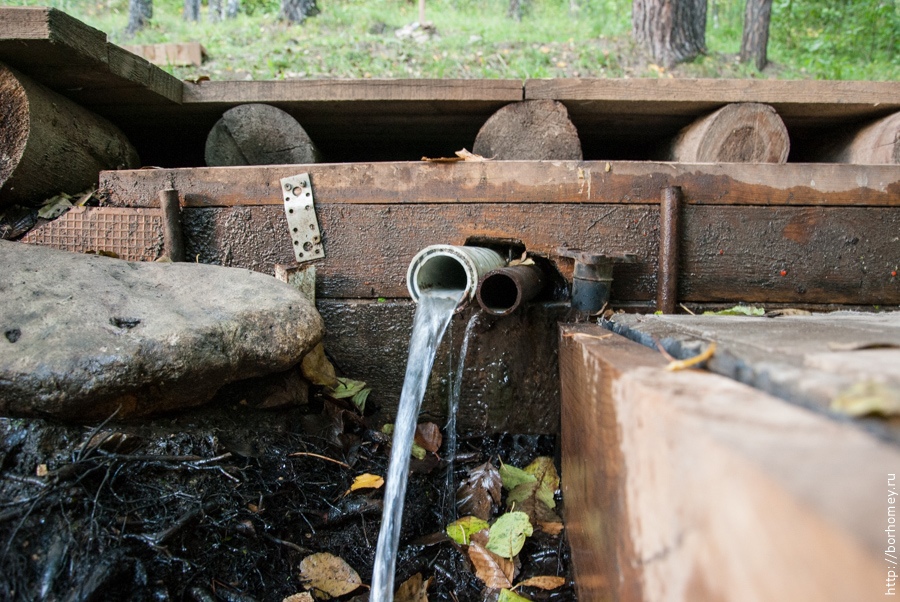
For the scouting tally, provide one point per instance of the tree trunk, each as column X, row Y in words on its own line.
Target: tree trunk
column 52, row 145
column 191, row 10
column 297, row 11
column 232, row 8
column 672, row 31
column 756, row 32
column 529, row 130
column 516, row 8
column 745, row 132
column 139, row 14
column 215, row 11
column 258, row 134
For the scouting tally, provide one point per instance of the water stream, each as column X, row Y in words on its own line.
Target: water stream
column 433, row 313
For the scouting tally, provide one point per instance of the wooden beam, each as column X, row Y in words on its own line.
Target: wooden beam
column 796, row 358
column 689, row 486
column 730, row 254
column 76, row 60
column 519, row 182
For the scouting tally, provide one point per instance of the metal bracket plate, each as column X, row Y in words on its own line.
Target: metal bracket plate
column 300, row 210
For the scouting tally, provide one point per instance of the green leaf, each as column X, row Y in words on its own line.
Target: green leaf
column 359, row 400
column 388, row 428
column 738, row 310
column 461, row 530
column 508, row 534
column 507, row 595
column 544, row 471
column 55, row 206
column 512, row 476
column 418, row 452
column 347, row 387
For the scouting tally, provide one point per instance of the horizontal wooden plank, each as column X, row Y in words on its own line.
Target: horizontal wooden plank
column 77, row 61
column 352, row 90
column 819, row 255
column 687, row 485
column 518, row 182
column 799, row 99
column 791, row 357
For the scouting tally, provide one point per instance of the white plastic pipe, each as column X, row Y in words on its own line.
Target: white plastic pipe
column 450, row 267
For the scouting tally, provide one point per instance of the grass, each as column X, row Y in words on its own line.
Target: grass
column 475, row 39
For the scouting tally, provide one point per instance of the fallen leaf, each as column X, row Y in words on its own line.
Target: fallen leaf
column 508, row 534
column 507, row 595
column 469, row 156
column 428, row 436
column 461, row 530
column 493, row 570
column 85, row 198
column 418, row 452
column 868, row 397
column 738, row 310
column 346, row 387
column 317, row 369
column 544, row 471
column 41, row 470
column 523, row 260
column 55, row 206
column 301, row 597
column 366, row 481
column 442, row 159
column 513, row 477
column 413, row 589
column 329, row 576
column 788, row 311
column 546, row 582
column 524, row 499
column 698, row 359
column 480, row 492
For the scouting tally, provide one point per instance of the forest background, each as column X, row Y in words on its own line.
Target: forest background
column 821, row 39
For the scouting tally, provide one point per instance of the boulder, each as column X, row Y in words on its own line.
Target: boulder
column 84, row 335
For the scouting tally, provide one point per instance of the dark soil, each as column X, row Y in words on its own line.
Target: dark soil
column 210, row 505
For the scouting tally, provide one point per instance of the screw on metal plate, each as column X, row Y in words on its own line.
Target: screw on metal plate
column 301, row 218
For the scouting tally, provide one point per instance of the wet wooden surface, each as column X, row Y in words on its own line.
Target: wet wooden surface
column 809, row 360
column 700, row 488
column 544, row 182
column 818, row 255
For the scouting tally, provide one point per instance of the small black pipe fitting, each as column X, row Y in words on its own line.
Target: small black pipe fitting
column 503, row 290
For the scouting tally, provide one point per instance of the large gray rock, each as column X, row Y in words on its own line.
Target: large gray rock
column 82, row 335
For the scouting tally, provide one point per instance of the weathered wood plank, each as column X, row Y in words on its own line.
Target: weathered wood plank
column 796, row 358
column 729, row 254
column 689, row 486
column 542, row 182
column 77, row 61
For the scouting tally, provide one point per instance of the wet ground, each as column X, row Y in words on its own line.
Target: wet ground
column 223, row 503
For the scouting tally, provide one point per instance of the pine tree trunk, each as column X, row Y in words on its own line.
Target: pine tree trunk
column 672, row 31
column 139, row 14
column 215, row 11
column 191, row 10
column 516, row 8
column 297, row 11
column 756, row 32
column 232, row 8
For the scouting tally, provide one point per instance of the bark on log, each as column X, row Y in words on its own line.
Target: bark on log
column 737, row 133
column 48, row 144
column 877, row 143
column 529, row 130
column 672, row 31
column 258, row 134
column 755, row 39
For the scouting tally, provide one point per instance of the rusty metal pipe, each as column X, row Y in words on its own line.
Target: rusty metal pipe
column 501, row 291
column 669, row 228
column 173, row 237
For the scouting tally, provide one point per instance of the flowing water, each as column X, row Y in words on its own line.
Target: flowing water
column 433, row 314
column 452, row 411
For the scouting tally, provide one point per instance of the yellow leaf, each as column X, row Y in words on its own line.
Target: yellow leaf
column 329, row 576
column 543, row 582
column 868, row 397
column 366, row 481
column 692, row 361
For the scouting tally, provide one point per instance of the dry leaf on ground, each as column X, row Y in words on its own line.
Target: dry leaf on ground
column 481, row 490
column 329, row 576
column 428, row 436
column 301, row 597
column 546, row 582
column 414, row 589
column 494, row 571
column 366, row 481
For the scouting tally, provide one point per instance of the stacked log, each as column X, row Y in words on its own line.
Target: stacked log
column 747, row 132
column 876, row 143
column 529, row 130
column 48, row 144
column 258, row 134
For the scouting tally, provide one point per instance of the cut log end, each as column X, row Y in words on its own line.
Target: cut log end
column 258, row 134
column 529, row 130
column 877, row 143
column 48, row 144
column 737, row 133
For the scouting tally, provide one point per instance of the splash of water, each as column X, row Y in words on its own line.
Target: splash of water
column 450, row 435
column 433, row 314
